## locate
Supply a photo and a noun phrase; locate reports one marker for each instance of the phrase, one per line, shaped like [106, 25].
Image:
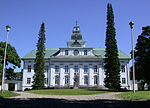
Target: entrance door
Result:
[11, 87]
[76, 80]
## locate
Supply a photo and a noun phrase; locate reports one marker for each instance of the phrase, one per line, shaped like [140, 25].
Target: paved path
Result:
[108, 96]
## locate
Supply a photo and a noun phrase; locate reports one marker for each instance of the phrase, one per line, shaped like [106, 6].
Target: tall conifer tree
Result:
[39, 68]
[112, 62]
[142, 56]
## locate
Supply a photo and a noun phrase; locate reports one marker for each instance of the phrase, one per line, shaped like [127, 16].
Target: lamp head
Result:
[131, 25]
[8, 28]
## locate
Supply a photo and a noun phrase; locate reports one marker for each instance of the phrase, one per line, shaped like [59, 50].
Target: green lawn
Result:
[68, 91]
[138, 95]
[8, 94]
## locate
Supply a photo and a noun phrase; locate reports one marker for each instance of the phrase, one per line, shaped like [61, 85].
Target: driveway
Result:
[107, 100]
[108, 96]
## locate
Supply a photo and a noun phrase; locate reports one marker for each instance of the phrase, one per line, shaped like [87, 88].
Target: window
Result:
[122, 68]
[46, 80]
[76, 68]
[34, 66]
[86, 80]
[29, 68]
[66, 52]
[66, 80]
[46, 68]
[56, 69]
[66, 69]
[56, 80]
[28, 80]
[85, 69]
[95, 80]
[123, 80]
[85, 52]
[95, 68]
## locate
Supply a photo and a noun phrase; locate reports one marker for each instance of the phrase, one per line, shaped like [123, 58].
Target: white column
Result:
[52, 76]
[71, 75]
[100, 76]
[61, 73]
[81, 75]
[90, 75]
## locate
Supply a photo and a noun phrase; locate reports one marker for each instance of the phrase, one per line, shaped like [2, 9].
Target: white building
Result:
[74, 66]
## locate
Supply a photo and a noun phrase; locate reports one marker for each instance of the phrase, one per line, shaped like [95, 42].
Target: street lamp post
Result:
[3, 77]
[131, 26]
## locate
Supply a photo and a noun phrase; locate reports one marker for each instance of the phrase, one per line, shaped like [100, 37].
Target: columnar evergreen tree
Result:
[112, 62]
[39, 77]
[142, 56]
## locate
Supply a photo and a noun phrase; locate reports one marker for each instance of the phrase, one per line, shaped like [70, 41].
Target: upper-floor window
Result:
[28, 80]
[85, 52]
[76, 68]
[122, 68]
[85, 69]
[56, 68]
[66, 52]
[66, 69]
[95, 68]
[46, 68]
[123, 80]
[29, 68]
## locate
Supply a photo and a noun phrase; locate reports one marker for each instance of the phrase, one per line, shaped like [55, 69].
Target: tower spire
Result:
[76, 22]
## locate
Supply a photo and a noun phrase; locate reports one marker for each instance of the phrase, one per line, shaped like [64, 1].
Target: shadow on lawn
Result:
[61, 103]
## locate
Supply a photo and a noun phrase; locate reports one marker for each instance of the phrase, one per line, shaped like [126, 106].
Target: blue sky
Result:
[25, 18]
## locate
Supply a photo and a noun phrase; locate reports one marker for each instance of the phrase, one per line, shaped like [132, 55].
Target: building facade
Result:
[74, 66]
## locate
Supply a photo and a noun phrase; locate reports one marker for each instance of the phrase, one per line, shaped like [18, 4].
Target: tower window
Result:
[66, 52]
[85, 52]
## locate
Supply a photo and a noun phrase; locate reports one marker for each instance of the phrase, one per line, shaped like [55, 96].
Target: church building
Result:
[74, 66]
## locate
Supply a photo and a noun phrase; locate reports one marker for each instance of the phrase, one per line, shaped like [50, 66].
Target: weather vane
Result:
[76, 22]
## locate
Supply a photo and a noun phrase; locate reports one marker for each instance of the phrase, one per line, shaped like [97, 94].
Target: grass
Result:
[68, 91]
[8, 94]
[138, 95]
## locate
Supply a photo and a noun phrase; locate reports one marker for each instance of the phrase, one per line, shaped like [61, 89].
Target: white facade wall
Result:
[51, 74]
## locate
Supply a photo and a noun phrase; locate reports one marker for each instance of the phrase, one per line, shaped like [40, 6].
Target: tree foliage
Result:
[142, 55]
[112, 62]
[12, 61]
[39, 69]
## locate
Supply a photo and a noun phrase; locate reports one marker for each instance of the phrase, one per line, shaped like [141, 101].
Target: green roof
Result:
[101, 52]
[52, 51]
[48, 52]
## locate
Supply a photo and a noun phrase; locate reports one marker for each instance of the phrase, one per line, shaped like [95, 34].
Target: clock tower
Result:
[76, 38]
